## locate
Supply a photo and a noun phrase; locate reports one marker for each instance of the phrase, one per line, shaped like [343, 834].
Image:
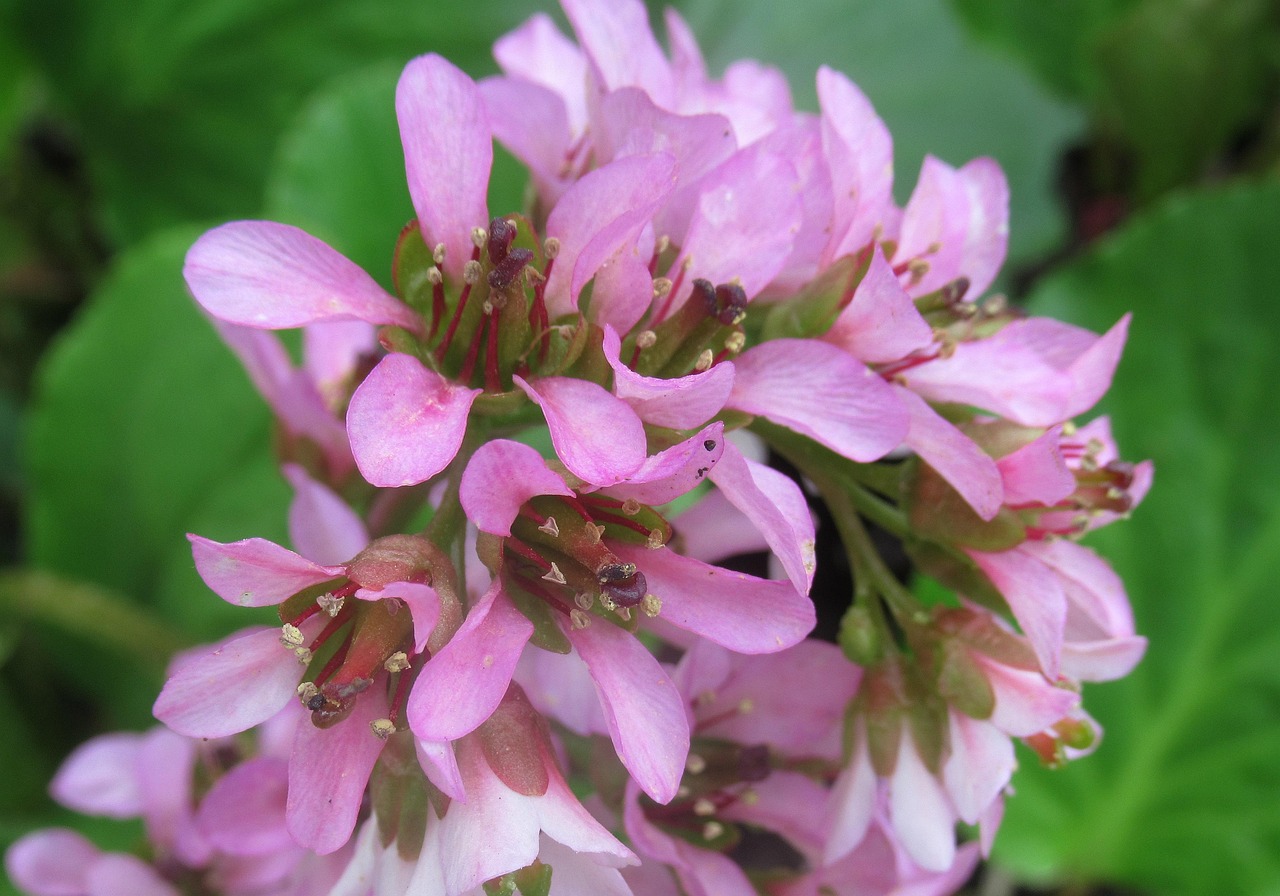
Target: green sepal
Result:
[533, 880]
[937, 512]
[962, 683]
[565, 343]
[547, 633]
[955, 570]
[409, 269]
[860, 637]
[295, 606]
[815, 309]
[400, 795]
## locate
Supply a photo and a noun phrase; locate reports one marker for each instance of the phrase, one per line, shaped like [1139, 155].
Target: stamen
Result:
[479, 237]
[397, 662]
[331, 603]
[695, 764]
[382, 728]
[579, 619]
[704, 361]
[291, 636]
[550, 527]
[651, 606]
[555, 576]
[711, 830]
[704, 807]
[438, 253]
[585, 600]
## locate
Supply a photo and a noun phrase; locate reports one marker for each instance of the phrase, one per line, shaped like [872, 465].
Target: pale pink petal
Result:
[852, 806]
[979, 767]
[798, 139]
[166, 763]
[459, 687]
[603, 211]
[681, 403]
[713, 529]
[240, 684]
[686, 57]
[243, 813]
[422, 602]
[1036, 472]
[955, 456]
[935, 226]
[532, 123]
[576, 873]
[620, 44]
[255, 572]
[597, 436]
[732, 609]
[565, 820]
[676, 471]
[51, 862]
[537, 52]
[922, 813]
[644, 711]
[1097, 606]
[441, 767]
[448, 150]
[859, 151]
[1025, 701]
[623, 288]
[881, 323]
[274, 276]
[987, 230]
[821, 392]
[1092, 370]
[989, 825]
[1103, 660]
[1036, 598]
[322, 526]
[790, 804]
[328, 772]
[116, 874]
[100, 777]
[332, 351]
[559, 686]
[763, 223]
[500, 477]
[406, 422]
[777, 507]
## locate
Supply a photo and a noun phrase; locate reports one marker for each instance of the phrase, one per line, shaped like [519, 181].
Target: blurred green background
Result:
[1141, 139]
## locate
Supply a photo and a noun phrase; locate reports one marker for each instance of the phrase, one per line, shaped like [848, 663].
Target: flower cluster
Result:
[518, 475]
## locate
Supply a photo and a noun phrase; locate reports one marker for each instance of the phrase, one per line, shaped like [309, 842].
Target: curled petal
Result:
[821, 392]
[537, 52]
[255, 572]
[680, 403]
[979, 767]
[620, 45]
[1035, 596]
[597, 436]
[51, 862]
[422, 602]
[881, 323]
[448, 151]
[1036, 472]
[500, 477]
[644, 711]
[732, 609]
[274, 276]
[680, 469]
[441, 766]
[406, 422]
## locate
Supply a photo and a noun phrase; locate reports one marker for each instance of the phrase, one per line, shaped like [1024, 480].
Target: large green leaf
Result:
[180, 105]
[1181, 797]
[144, 428]
[937, 92]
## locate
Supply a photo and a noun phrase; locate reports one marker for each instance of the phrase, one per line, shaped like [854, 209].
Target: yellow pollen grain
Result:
[624, 613]
[661, 286]
[711, 830]
[555, 576]
[750, 797]
[735, 342]
[631, 507]
[471, 272]
[434, 277]
[303, 655]
[438, 253]
[655, 540]
[704, 361]
[746, 706]
[291, 636]
[695, 764]
[551, 247]
[651, 605]
[479, 236]
[646, 339]
[704, 807]
[382, 728]
[551, 527]
[487, 662]
[397, 662]
[584, 600]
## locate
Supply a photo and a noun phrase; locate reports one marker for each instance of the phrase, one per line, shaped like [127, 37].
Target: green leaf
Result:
[1180, 797]
[937, 92]
[144, 427]
[180, 105]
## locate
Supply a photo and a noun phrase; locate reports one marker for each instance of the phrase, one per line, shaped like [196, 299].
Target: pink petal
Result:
[273, 276]
[331, 352]
[243, 813]
[448, 150]
[1105, 660]
[776, 506]
[644, 711]
[255, 572]
[115, 874]
[785, 805]
[51, 862]
[1025, 701]
[859, 150]
[955, 456]
[1092, 370]
[681, 403]
[623, 288]
[680, 469]
[422, 602]
[406, 422]
[620, 45]
[560, 687]
[459, 687]
[853, 803]
[581, 872]
[922, 813]
[713, 529]
[441, 767]
[935, 225]
[328, 773]
[531, 122]
[1035, 596]
[598, 215]
[821, 392]
[597, 436]
[500, 477]
[100, 777]
[1036, 472]
[881, 323]
[979, 767]
[166, 764]
[240, 684]
[537, 52]
[322, 525]
[987, 230]
[732, 609]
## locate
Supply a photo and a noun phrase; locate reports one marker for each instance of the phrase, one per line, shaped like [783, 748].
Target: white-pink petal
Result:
[406, 422]
[921, 811]
[1036, 598]
[822, 392]
[955, 456]
[676, 471]
[100, 777]
[979, 767]
[274, 276]
[255, 572]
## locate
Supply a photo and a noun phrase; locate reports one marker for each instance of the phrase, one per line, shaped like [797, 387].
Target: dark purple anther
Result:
[626, 591]
[730, 304]
[954, 291]
[753, 763]
[707, 292]
[507, 270]
[502, 234]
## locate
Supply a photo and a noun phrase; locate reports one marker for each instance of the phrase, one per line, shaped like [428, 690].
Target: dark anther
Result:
[502, 234]
[708, 293]
[628, 592]
[507, 270]
[753, 763]
[730, 304]
[317, 701]
[709, 445]
[615, 572]
[954, 291]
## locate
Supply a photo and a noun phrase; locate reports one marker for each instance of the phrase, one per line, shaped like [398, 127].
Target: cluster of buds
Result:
[569, 401]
